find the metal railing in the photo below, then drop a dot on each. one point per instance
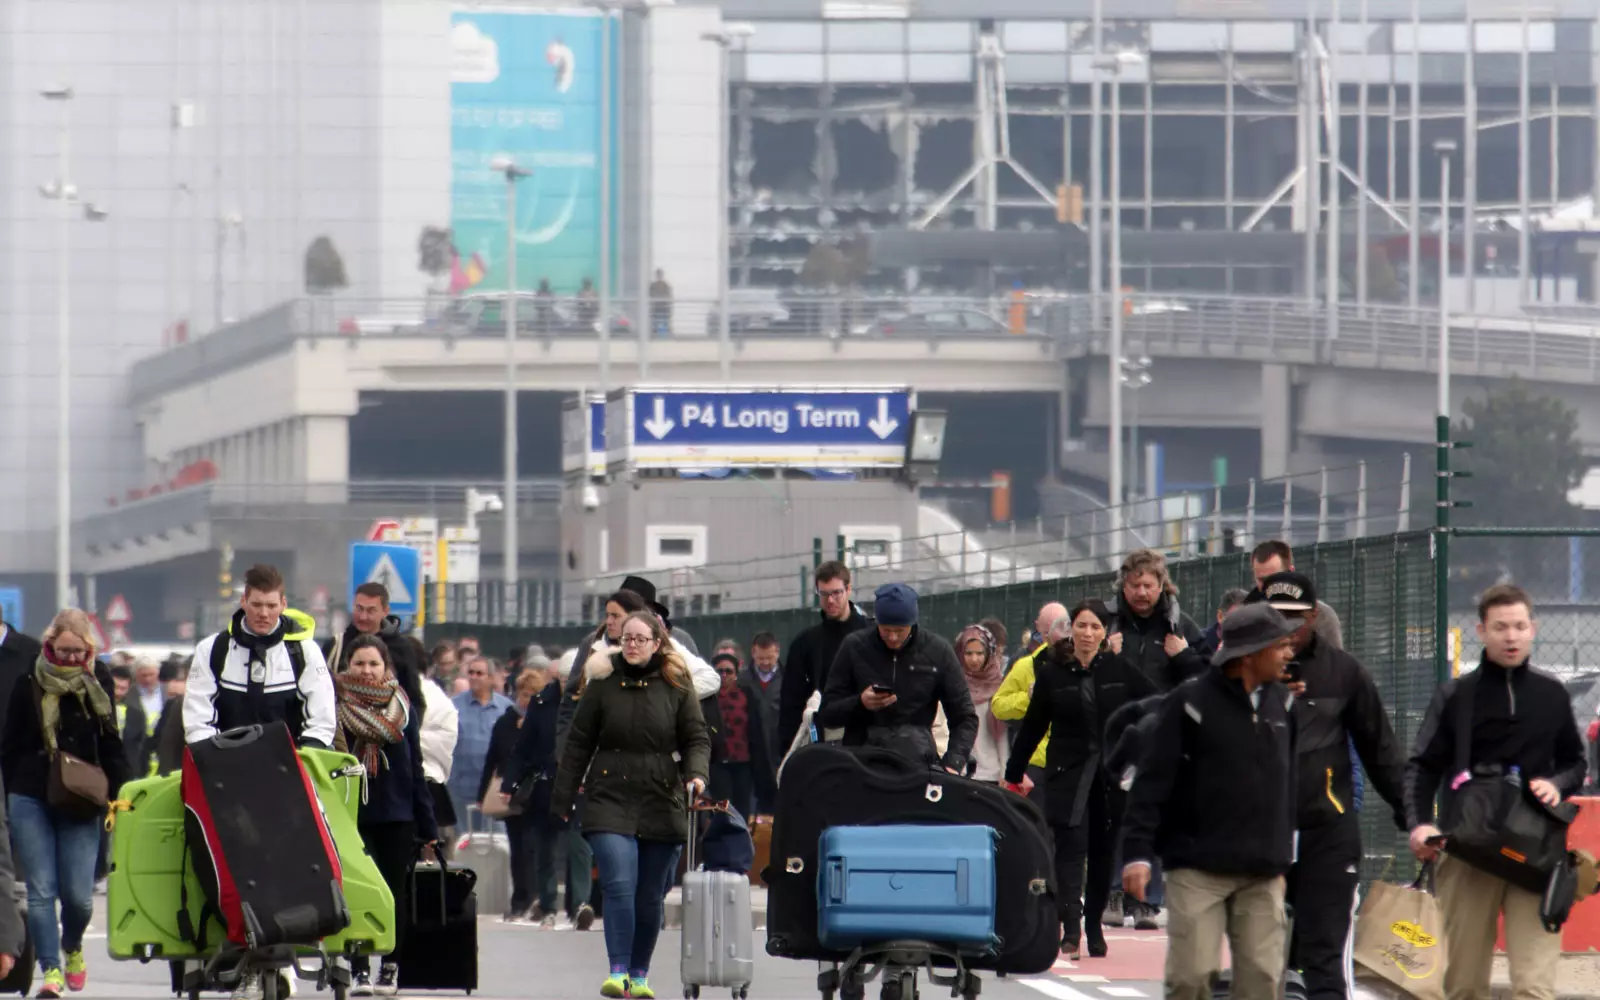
(179, 509)
(1334, 504)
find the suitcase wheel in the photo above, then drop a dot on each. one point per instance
(691, 992)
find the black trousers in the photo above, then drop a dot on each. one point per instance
(1089, 847)
(393, 848)
(532, 840)
(1322, 890)
(736, 783)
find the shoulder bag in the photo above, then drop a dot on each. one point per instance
(76, 788)
(1494, 822)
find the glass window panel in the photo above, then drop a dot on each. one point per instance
(1263, 36)
(1431, 38)
(1188, 36)
(866, 36)
(941, 36)
(1036, 68)
(787, 36)
(1034, 36)
(847, 67)
(1506, 36)
(940, 67)
(760, 67)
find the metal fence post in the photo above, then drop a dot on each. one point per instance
(1322, 508)
(1403, 523)
(1287, 528)
(1250, 514)
(1361, 500)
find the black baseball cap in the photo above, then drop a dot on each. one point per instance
(1289, 591)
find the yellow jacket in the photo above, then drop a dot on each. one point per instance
(1010, 703)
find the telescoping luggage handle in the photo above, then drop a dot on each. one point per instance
(691, 808)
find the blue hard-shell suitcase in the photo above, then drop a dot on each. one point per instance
(896, 883)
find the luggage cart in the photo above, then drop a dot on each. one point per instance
(224, 970)
(896, 964)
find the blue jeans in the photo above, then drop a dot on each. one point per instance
(634, 875)
(56, 856)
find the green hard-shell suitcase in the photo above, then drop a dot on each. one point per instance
(148, 869)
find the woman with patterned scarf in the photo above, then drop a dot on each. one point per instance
(982, 654)
(63, 708)
(378, 726)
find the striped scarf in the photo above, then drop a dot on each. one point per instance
(371, 716)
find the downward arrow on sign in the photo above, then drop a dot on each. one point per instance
(659, 425)
(883, 425)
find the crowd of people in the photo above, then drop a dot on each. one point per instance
(1215, 773)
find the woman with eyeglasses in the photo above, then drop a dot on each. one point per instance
(1078, 684)
(639, 748)
(62, 707)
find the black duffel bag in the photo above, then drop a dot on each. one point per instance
(1495, 823)
(826, 785)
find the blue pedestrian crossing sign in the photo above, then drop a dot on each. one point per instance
(397, 567)
(11, 606)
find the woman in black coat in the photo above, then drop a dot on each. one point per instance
(522, 753)
(1078, 684)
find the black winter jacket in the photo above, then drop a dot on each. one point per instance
(533, 757)
(1073, 704)
(805, 669)
(1521, 716)
(1341, 705)
(23, 760)
(18, 654)
(1215, 789)
(635, 742)
(1143, 637)
(924, 674)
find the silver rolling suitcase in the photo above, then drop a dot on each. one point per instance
(718, 944)
(488, 854)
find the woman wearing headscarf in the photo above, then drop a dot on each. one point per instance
(983, 659)
(64, 707)
(1079, 683)
(379, 726)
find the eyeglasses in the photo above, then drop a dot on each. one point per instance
(728, 673)
(638, 640)
(836, 592)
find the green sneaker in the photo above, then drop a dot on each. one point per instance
(616, 985)
(54, 984)
(638, 989)
(77, 971)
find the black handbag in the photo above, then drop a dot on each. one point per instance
(1495, 823)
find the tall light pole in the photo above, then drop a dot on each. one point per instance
(1135, 375)
(1112, 66)
(1445, 148)
(731, 34)
(62, 191)
(513, 173)
(609, 9)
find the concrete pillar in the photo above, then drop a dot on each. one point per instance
(1277, 428)
(325, 455)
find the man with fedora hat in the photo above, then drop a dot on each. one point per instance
(1336, 705)
(647, 590)
(1214, 800)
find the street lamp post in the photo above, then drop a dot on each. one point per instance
(1445, 148)
(1136, 376)
(62, 191)
(513, 173)
(731, 34)
(1112, 66)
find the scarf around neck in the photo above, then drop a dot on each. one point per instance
(985, 681)
(372, 717)
(59, 680)
(256, 645)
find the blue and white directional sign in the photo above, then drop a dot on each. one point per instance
(397, 567)
(716, 428)
(579, 450)
(11, 606)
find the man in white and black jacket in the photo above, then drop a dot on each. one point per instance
(1519, 717)
(260, 681)
(1213, 799)
(1336, 705)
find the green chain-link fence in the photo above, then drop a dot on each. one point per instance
(1382, 588)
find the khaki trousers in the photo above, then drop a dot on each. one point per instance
(1471, 902)
(1201, 908)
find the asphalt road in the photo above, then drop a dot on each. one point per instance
(523, 962)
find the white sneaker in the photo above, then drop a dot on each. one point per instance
(249, 988)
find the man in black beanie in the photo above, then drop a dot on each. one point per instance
(887, 683)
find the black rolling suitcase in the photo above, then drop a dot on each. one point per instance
(439, 949)
(259, 842)
(825, 785)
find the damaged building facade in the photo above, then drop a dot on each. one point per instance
(898, 131)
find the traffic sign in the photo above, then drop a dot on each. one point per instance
(382, 530)
(117, 611)
(583, 442)
(397, 567)
(118, 637)
(717, 428)
(99, 634)
(11, 605)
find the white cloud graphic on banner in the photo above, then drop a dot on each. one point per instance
(475, 57)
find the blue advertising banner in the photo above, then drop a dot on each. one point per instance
(527, 85)
(825, 428)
